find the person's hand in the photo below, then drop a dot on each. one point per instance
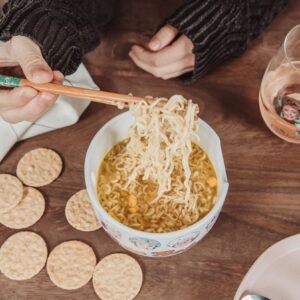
(166, 56)
(25, 103)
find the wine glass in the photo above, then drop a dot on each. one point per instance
(279, 96)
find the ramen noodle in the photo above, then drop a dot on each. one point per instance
(158, 180)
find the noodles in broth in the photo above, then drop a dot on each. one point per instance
(158, 180)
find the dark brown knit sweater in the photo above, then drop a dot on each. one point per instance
(67, 29)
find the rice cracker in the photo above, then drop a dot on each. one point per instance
(11, 192)
(23, 255)
(117, 276)
(27, 212)
(39, 167)
(71, 265)
(80, 213)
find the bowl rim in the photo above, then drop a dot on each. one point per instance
(151, 235)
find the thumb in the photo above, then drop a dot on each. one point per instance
(163, 38)
(28, 55)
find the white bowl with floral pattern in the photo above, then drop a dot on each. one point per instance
(144, 243)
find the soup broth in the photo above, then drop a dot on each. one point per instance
(133, 205)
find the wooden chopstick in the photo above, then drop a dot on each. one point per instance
(71, 91)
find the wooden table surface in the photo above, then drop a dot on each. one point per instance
(262, 206)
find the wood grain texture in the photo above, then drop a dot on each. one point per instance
(262, 206)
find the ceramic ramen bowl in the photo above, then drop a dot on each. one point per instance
(144, 243)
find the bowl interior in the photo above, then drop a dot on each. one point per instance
(116, 130)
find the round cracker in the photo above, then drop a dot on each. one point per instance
(27, 212)
(71, 265)
(39, 167)
(80, 213)
(117, 276)
(23, 255)
(11, 192)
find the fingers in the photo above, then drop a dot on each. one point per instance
(58, 76)
(176, 51)
(30, 111)
(173, 60)
(180, 66)
(30, 58)
(163, 38)
(18, 97)
(5, 58)
(177, 73)
(26, 104)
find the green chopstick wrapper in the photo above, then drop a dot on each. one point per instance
(9, 81)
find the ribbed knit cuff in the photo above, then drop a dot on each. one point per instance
(220, 29)
(261, 14)
(61, 32)
(217, 28)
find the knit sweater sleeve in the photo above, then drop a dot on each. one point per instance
(65, 30)
(221, 29)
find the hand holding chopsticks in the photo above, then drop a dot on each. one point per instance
(70, 91)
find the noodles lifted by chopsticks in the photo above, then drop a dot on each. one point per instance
(161, 142)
